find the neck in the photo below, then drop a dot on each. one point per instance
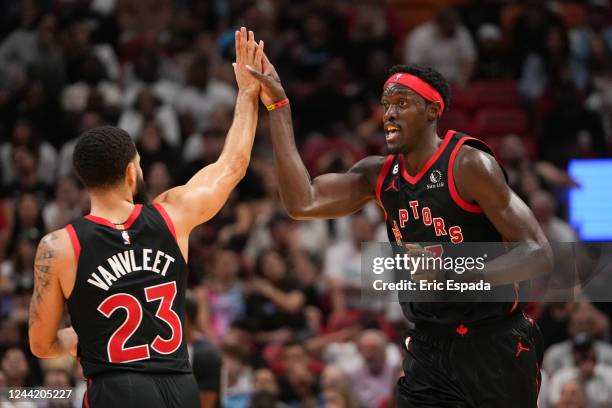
(115, 205)
(416, 156)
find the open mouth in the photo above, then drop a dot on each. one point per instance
(392, 132)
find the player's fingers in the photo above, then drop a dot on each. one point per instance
(251, 45)
(258, 56)
(237, 46)
(243, 45)
(258, 75)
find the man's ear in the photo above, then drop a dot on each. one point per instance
(131, 174)
(432, 111)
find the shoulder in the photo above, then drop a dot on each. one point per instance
(370, 167)
(473, 162)
(55, 249)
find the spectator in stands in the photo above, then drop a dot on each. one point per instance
(146, 107)
(544, 207)
(27, 222)
(152, 146)
(237, 378)
(342, 266)
(595, 376)
(158, 179)
(444, 44)
(67, 205)
(15, 367)
(58, 378)
(17, 272)
(221, 295)
(301, 388)
(203, 94)
(377, 372)
(274, 300)
(559, 355)
(204, 357)
(591, 43)
(572, 396)
(493, 58)
(87, 120)
(570, 129)
(25, 134)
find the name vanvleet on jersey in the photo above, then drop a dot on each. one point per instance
(129, 261)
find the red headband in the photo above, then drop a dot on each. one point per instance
(419, 86)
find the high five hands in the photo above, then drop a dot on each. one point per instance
(271, 88)
(249, 58)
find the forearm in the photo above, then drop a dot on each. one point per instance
(526, 261)
(294, 181)
(236, 151)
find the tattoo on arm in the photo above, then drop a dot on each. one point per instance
(42, 265)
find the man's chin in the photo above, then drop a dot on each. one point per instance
(392, 149)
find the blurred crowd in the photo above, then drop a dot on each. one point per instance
(275, 314)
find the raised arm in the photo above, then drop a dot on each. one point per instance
(327, 196)
(479, 179)
(208, 190)
(54, 255)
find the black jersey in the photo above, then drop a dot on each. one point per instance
(426, 208)
(128, 301)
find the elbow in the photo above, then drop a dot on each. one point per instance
(237, 166)
(39, 349)
(298, 212)
(545, 254)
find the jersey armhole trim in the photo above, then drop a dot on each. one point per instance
(74, 239)
(166, 217)
(469, 207)
(381, 178)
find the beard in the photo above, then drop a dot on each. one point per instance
(141, 196)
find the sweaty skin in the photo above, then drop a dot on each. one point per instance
(410, 126)
(187, 206)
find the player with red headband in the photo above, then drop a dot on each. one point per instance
(447, 189)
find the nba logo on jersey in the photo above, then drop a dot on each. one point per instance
(126, 238)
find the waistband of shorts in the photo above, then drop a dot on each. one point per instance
(464, 330)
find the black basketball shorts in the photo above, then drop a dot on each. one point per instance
(132, 389)
(495, 365)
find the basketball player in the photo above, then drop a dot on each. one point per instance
(122, 268)
(433, 189)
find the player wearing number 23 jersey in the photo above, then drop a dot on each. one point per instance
(122, 269)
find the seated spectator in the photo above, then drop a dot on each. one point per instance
(17, 272)
(543, 205)
(274, 300)
(238, 378)
(15, 367)
(67, 205)
(559, 356)
(300, 387)
(158, 179)
(221, 295)
(588, 371)
(572, 396)
(204, 357)
(152, 146)
(25, 134)
(444, 44)
(342, 265)
(148, 107)
(87, 120)
(376, 372)
(203, 94)
(27, 221)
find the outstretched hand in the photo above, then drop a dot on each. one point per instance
(271, 88)
(248, 56)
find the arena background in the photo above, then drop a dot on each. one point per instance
(278, 300)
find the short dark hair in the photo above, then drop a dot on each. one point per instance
(429, 75)
(101, 156)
